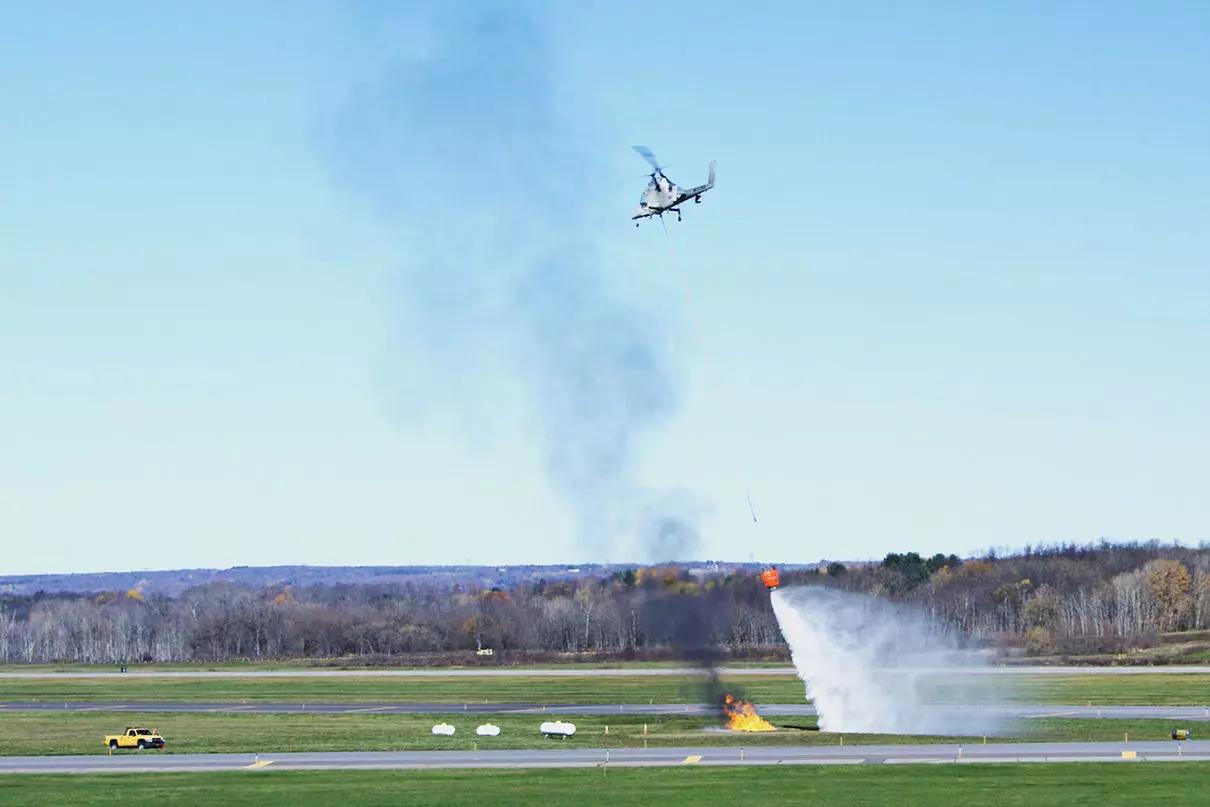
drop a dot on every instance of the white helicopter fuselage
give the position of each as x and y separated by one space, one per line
659 196
663 195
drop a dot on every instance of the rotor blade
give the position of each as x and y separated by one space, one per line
647 155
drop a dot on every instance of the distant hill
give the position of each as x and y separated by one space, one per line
174 581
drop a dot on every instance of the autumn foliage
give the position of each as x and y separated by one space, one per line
1093 599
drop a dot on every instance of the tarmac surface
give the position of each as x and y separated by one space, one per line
154 761
1022 711
530 672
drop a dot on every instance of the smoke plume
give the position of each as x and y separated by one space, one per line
491 187
697 627
872 667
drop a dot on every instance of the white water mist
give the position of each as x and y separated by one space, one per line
872 667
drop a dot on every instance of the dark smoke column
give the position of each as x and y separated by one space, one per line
469 157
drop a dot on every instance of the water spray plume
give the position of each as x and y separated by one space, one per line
872 667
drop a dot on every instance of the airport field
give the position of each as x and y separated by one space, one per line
1041 785
589 688
71 733
224 741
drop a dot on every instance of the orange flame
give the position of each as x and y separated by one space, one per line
744 717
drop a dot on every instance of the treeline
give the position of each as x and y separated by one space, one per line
631 613
1105 598
1064 599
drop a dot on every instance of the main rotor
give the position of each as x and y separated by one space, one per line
646 154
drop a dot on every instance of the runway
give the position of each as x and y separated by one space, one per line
1011 711
151 761
530 672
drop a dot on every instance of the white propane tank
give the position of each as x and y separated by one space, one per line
558 727
443 728
487 730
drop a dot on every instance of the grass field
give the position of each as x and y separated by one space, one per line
32 733
1157 689
354 664
1114 690
1035 785
587 689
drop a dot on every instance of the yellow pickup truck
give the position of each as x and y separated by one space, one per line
135 738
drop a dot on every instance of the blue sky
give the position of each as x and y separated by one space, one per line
950 292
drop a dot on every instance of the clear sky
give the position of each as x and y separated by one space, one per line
348 283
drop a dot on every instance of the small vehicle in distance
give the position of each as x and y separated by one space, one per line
134 737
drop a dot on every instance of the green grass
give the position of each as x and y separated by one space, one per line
354 664
1032 785
1200 657
353 689
1123 690
1065 730
1157 689
34 733
220 667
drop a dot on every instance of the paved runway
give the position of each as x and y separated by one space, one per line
529 672
150 761
1023 711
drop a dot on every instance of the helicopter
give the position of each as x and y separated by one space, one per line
662 194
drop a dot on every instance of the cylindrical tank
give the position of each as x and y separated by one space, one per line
557 727
770 578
